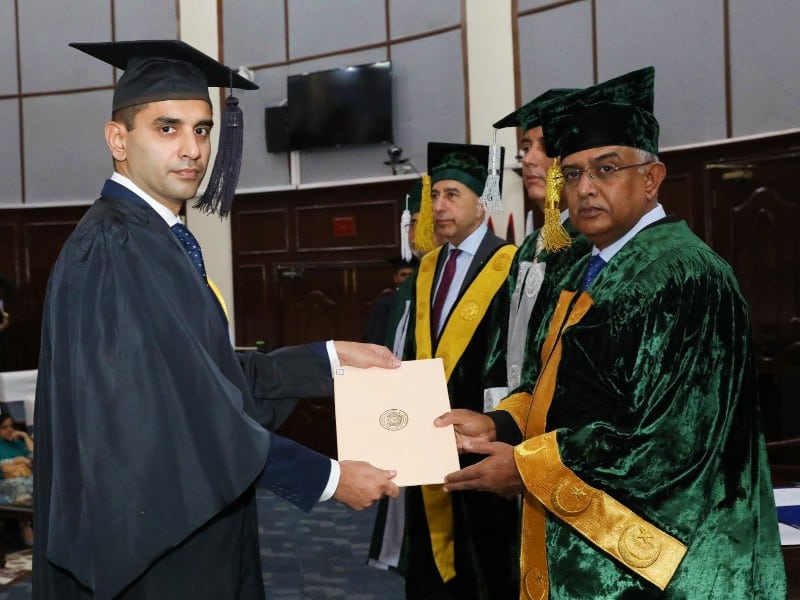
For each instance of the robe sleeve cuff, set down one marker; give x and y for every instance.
(518, 406)
(295, 473)
(640, 546)
(333, 357)
(333, 482)
(506, 429)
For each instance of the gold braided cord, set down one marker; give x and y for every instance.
(554, 236)
(423, 237)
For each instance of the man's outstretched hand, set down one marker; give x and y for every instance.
(361, 484)
(357, 354)
(470, 426)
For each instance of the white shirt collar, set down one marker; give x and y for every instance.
(607, 253)
(471, 243)
(564, 215)
(169, 217)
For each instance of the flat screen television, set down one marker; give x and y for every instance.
(340, 107)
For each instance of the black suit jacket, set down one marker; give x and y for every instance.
(486, 249)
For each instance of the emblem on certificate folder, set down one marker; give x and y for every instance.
(393, 419)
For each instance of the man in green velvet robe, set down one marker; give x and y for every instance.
(397, 324)
(545, 252)
(642, 466)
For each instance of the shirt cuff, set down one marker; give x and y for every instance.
(333, 357)
(333, 482)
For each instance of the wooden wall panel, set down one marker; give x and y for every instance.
(677, 196)
(263, 231)
(316, 267)
(348, 226)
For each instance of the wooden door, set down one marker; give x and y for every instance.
(752, 222)
(324, 301)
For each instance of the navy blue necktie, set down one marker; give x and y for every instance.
(192, 247)
(596, 265)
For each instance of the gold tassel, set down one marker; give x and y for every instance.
(423, 238)
(554, 236)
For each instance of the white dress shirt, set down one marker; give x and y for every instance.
(469, 247)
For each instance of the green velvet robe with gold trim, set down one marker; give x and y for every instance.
(555, 266)
(654, 409)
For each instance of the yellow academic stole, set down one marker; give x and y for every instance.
(459, 329)
(218, 295)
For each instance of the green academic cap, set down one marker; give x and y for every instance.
(527, 116)
(157, 70)
(465, 163)
(617, 112)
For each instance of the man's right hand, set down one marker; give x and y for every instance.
(361, 484)
(470, 427)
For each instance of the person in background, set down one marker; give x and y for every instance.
(16, 450)
(544, 253)
(16, 475)
(400, 309)
(457, 545)
(147, 450)
(378, 318)
(639, 454)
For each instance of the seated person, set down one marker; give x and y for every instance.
(16, 483)
(16, 450)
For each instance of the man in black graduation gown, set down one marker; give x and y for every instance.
(147, 453)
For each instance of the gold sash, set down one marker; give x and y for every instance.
(458, 331)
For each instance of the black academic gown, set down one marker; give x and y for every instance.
(146, 453)
(378, 319)
(485, 525)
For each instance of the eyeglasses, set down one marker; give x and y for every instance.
(602, 173)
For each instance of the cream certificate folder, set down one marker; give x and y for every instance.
(385, 417)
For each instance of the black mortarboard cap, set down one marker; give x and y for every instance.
(157, 70)
(527, 116)
(617, 112)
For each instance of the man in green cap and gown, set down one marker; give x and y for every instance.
(394, 332)
(545, 252)
(643, 468)
(458, 545)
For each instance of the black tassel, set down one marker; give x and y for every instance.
(221, 189)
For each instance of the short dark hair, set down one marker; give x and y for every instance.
(127, 115)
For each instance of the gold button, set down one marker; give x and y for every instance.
(501, 262)
(469, 311)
